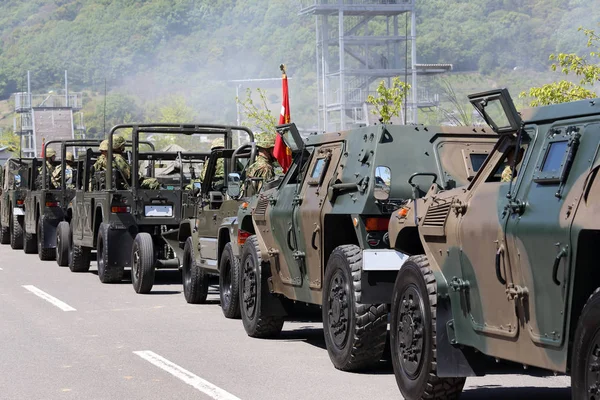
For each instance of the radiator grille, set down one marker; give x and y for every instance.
(436, 215)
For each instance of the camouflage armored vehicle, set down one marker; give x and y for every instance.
(208, 242)
(14, 191)
(307, 235)
(48, 199)
(505, 268)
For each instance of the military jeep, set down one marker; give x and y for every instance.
(504, 269)
(306, 239)
(208, 242)
(12, 201)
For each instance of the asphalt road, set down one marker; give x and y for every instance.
(96, 341)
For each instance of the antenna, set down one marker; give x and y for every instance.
(104, 126)
(406, 65)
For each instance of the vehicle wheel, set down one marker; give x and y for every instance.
(585, 377)
(195, 280)
(45, 254)
(79, 258)
(229, 281)
(63, 243)
(255, 324)
(413, 334)
(16, 232)
(29, 243)
(106, 272)
(142, 263)
(355, 333)
(4, 235)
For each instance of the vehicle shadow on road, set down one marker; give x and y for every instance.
(496, 392)
(162, 277)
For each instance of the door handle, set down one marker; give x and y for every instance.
(559, 256)
(498, 272)
(289, 239)
(314, 236)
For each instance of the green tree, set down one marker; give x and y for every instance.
(389, 101)
(257, 115)
(564, 91)
(10, 140)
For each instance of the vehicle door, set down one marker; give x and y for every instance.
(538, 232)
(308, 217)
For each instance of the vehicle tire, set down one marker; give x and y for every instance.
(142, 263)
(255, 324)
(16, 232)
(29, 243)
(45, 254)
(413, 334)
(4, 235)
(79, 258)
(585, 380)
(63, 243)
(107, 273)
(355, 333)
(229, 281)
(195, 280)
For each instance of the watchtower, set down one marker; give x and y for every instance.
(360, 42)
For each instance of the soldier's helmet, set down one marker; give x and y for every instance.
(219, 142)
(50, 152)
(118, 142)
(104, 145)
(69, 156)
(265, 139)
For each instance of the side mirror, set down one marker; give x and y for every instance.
(233, 185)
(383, 180)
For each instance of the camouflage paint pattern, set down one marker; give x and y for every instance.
(531, 316)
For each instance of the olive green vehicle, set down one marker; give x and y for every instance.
(308, 236)
(504, 269)
(46, 206)
(15, 181)
(207, 244)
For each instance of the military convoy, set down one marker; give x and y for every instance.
(475, 244)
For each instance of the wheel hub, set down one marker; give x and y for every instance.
(136, 264)
(249, 288)
(338, 309)
(226, 289)
(410, 331)
(593, 371)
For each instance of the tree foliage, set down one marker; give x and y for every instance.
(587, 69)
(11, 141)
(388, 103)
(257, 114)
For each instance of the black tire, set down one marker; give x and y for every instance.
(585, 359)
(195, 280)
(107, 273)
(44, 253)
(79, 260)
(355, 333)
(255, 324)
(4, 235)
(63, 243)
(229, 281)
(29, 243)
(16, 232)
(413, 343)
(142, 263)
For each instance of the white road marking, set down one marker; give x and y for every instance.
(186, 376)
(50, 299)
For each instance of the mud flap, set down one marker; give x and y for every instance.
(49, 226)
(120, 244)
(270, 304)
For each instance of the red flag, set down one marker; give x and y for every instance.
(282, 153)
(43, 147)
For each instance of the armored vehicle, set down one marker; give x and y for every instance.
(306, 238)
(47, 202)
(14, 191)
(208, 242)
(505, 268)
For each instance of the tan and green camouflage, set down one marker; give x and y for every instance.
(220, 171)
(261, 168)
(509, 260)
(265, 140)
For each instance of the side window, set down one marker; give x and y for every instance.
(557, 155)
(318, 171)
(502, 171)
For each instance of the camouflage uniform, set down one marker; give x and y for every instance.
(118, 161)
(507, 174)
(262, 167)
(49, 168)
(218, 177)
(56, 175)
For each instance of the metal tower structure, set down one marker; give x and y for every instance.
(360, 42)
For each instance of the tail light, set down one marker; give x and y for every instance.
(242, 236)
(120, 209)
(52, 204)
(20, 202)
(377, 223)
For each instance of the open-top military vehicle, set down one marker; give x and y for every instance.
(505, 268)
(309, 235)
(12, 201)
(209, 240)
(47, 206)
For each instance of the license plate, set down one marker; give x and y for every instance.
(18, 211)
(158, 211)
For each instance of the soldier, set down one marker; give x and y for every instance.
(263, 165)
(507, 174)
(218, 178)
(49, 159)
(56, 181)
(118, 161)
